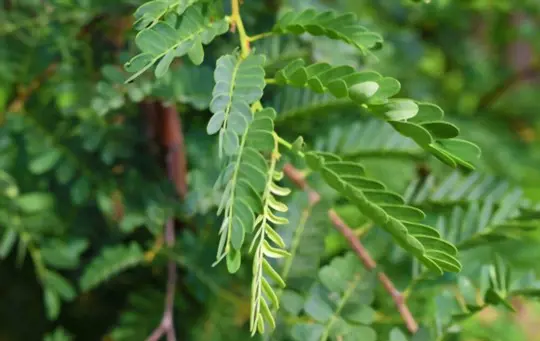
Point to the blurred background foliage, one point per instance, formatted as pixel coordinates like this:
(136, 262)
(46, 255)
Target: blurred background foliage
(84, 192)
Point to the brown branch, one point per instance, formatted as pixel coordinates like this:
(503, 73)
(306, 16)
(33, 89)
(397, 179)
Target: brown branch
(173, 138)
(166, 327)
(362, 253)
(371, 265)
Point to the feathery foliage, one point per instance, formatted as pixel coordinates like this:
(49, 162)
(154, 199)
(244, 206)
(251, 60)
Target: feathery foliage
(331, 24)
(267, 180)
(388, 210)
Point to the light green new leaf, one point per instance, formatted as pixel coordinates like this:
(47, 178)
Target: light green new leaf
(245, 180)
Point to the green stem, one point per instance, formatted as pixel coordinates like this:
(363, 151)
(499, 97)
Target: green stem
(284, 143)
(237, 20)
(270, 81)
(260, 36)
(288, 145)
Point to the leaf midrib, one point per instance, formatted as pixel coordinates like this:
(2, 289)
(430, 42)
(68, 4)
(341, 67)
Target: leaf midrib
(155, 59)
(344, 299)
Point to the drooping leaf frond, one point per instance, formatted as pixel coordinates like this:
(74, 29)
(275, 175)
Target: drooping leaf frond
(163, 42)
(331, 24)
(267, 243)
(110, 262)
(362, 87)
(422, 122)
(239, 83)
(244, 180)
(387, 210)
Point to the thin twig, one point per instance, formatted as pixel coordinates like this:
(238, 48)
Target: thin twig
(369, 263)
(173, 138)
(166, 327)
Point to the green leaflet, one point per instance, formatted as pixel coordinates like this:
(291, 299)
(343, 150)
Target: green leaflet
(420, 122)
(331, 24)
(250, 201)
(364, 87)
(110, 262)
(245, 180)
(151, 12)
(162, 42)
(381, 206)
(239, 83)
(337, 303)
